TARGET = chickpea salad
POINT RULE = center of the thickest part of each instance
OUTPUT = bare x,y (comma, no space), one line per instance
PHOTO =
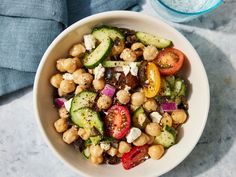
120,97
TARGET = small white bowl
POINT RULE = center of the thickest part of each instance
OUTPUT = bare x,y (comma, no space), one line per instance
199,98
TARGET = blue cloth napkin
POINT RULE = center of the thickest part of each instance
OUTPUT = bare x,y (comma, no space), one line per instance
27,28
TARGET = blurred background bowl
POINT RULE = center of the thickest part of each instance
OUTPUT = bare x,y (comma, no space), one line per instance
183,10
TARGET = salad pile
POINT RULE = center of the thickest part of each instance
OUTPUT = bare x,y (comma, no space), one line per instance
119,96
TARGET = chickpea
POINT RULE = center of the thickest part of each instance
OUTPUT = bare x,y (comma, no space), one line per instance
67,86
95,150
104,102
60,92
137,98
70,64
141,140
79,89
150,105
128,55
112,151
118,47
150,53
63,113
151,139
83,133
123,96
60,65
166,119
153,129
56,80
76,75
77,49
99,84
70,135
85,79
179,116
61,125
156,151
124,147
133,108
96,160
138,48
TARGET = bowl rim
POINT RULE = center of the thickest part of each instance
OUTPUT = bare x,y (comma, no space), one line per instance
191,13
116,13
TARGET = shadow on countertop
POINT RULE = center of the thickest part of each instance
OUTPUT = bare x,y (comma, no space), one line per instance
221,19
15,95
220,132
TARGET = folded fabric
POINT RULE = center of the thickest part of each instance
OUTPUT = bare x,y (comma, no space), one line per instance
29,26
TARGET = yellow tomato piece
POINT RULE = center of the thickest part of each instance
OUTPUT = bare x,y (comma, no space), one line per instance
154,80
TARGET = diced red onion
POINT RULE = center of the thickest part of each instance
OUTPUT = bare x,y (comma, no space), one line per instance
168,107
59,102
109,90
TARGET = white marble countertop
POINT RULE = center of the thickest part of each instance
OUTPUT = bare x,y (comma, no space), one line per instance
24,153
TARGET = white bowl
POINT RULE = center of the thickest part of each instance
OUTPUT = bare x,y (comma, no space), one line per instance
199,98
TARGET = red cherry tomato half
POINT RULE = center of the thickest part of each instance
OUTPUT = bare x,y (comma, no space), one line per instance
169,61
134,157
117,121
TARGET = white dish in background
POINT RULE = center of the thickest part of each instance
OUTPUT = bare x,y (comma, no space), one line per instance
199,98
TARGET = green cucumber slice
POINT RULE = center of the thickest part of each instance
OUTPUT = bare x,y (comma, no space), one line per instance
140,119
167,137
103,32
99,54
165,88
112,64
170,80
95,140
177,87
86,152
83,99
149,39
87,118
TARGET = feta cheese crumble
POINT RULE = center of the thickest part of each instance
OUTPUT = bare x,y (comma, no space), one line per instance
117,76
133,69
126,69
156,117
105,146
133,134
67,76
89,42
68,104
99,71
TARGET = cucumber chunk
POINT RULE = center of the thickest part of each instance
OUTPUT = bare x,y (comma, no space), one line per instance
165,88
83,99
95,140
140,119
86,152
177,87
170,80
112,64
87,118
99,54
103,32
167,137
149,39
